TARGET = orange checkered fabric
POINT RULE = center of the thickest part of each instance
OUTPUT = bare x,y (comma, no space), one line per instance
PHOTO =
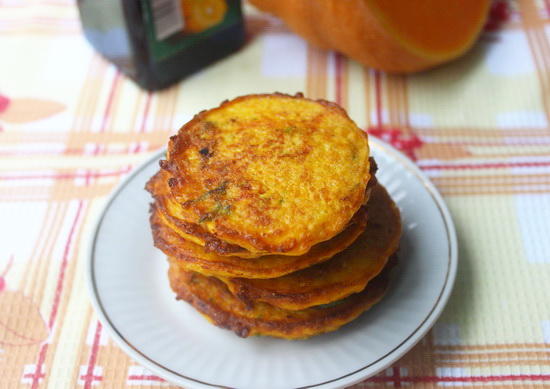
71,126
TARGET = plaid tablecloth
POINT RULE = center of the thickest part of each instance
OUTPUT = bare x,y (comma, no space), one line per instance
71,126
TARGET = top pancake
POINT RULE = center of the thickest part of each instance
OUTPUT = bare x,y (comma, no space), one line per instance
270,173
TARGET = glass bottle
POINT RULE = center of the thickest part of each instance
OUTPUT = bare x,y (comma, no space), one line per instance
158,42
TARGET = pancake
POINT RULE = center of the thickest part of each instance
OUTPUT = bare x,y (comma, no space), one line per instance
346,273
193,257
212,299
273,174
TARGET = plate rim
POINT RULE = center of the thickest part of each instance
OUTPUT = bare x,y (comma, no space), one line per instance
347,379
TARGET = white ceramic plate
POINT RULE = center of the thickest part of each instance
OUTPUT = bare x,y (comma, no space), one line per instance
130,292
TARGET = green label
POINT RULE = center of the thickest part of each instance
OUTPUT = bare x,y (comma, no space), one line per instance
172,26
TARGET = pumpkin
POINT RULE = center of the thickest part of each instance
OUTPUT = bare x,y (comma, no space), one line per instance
397,36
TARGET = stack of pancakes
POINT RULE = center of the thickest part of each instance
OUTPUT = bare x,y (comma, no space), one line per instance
271,217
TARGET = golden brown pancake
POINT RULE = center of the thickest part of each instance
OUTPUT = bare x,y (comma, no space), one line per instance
211,298
346,273
194,257
269,173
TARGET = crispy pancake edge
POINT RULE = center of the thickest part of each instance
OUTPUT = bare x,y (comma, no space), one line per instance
226,311
210,241
163,237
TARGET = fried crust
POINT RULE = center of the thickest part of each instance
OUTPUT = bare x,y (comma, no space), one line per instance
158,186
346,273
270,173
193,257
212,299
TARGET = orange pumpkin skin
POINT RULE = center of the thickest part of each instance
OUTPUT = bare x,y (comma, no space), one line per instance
356,28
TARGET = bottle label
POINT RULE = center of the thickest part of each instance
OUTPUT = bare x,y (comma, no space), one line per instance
167,18
174,25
